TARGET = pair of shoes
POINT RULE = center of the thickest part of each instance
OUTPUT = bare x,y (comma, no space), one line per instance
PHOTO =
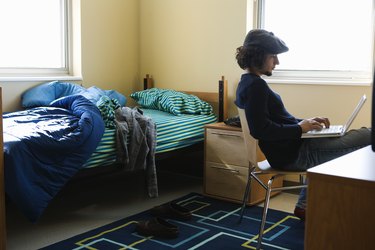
157,227
300,213
171,211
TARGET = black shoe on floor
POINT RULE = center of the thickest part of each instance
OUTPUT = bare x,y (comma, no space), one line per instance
171,211
157,227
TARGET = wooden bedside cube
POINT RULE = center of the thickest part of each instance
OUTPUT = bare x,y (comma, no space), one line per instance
226,166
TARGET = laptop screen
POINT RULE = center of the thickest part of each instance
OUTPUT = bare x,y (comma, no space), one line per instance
355,112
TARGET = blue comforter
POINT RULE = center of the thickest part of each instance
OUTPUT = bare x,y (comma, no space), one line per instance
45,146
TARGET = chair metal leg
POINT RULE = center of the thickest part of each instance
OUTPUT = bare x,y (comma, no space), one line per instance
265,210
246,194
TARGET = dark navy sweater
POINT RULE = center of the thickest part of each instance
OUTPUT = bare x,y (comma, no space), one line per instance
277,131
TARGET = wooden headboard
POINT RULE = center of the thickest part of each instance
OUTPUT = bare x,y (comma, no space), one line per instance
218,100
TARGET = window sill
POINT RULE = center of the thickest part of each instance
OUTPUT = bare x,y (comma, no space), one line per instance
338,82
39,78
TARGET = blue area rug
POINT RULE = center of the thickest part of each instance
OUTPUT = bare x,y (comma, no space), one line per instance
214,226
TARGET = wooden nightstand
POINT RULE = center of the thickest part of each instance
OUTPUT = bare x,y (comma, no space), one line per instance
226,166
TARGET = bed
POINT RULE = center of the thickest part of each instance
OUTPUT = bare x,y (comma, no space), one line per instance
176,132
45,146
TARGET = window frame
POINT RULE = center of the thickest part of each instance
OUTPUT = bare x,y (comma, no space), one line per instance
315,77
70,21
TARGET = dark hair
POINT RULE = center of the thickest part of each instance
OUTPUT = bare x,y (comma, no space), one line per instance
250,57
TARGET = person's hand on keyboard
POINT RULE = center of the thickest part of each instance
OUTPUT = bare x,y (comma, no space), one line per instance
316,123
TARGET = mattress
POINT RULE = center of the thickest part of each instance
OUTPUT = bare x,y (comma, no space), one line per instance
105,153
173,132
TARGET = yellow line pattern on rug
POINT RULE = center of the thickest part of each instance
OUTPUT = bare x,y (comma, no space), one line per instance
81,243
247,243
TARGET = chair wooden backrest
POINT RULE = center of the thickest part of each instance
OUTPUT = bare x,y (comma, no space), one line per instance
254,154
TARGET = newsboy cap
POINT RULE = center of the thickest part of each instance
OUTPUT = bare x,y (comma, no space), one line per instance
265,40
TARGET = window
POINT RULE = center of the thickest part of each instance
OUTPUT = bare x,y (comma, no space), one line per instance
330,41
35,38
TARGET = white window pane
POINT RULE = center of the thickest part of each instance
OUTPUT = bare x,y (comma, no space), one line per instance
322,35
32,34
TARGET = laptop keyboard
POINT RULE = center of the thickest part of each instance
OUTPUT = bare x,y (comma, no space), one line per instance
332,130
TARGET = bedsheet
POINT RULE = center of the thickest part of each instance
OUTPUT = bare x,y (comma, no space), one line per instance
44,147
175,132
105,153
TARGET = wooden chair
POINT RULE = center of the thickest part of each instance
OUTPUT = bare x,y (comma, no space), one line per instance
259,167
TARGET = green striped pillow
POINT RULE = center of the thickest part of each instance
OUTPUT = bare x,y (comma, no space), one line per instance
171,101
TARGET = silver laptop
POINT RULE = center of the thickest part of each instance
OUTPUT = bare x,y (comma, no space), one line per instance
336,130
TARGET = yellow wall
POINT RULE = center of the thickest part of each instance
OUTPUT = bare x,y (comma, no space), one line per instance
110,38
188,45
183,44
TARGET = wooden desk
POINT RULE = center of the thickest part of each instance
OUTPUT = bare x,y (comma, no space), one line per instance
341,203
2,188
